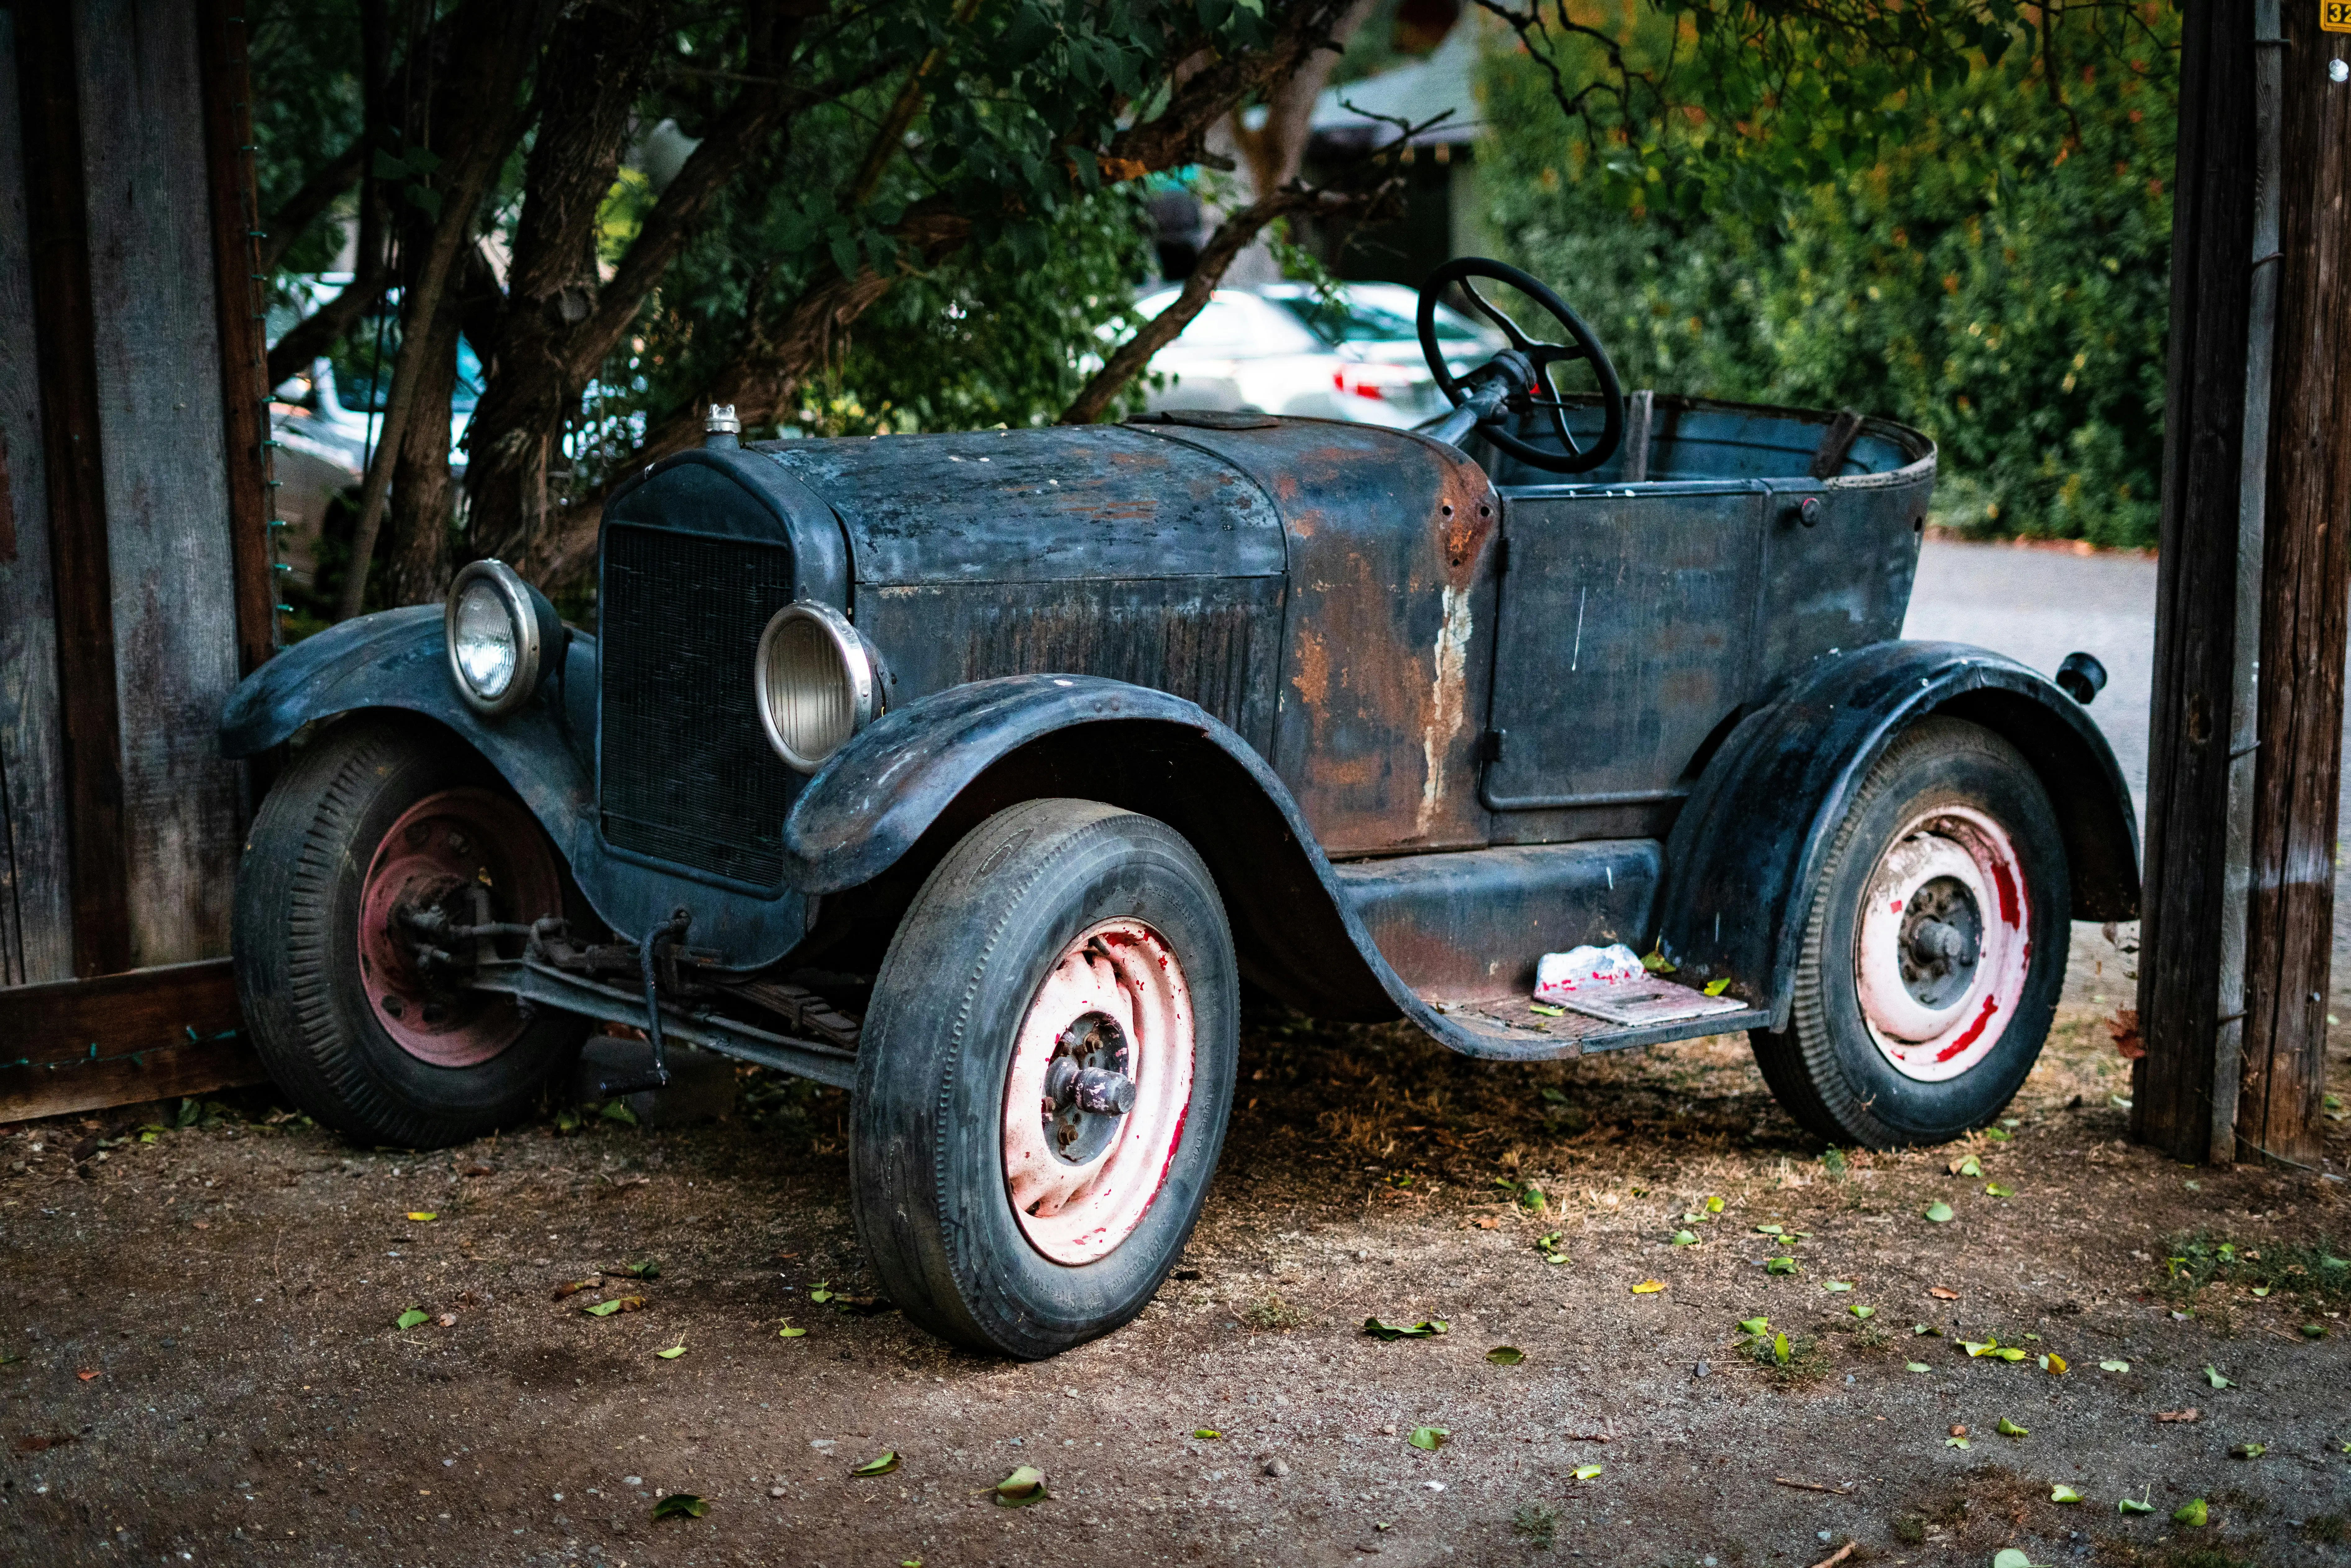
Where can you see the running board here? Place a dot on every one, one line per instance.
(543, 985)
(1511, 1022)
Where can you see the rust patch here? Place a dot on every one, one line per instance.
(1311, 660)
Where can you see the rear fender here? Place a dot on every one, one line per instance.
(396, 662)
(1748, 846)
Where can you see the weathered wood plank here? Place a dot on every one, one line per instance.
(222, 41)
(2306, 585)
(158, 353)
(56, 228)
(36, 891)
(81, 1045)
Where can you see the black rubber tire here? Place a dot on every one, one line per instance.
(295, 938)
(925, 1140)
(1825, 1069)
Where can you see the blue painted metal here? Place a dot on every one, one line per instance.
(1750, 843)
(395, 661)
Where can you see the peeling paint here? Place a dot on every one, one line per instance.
(1448, 703)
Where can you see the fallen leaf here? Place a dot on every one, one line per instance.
(2008, 1428)
(2191, 1513)
(1965, 1166)
(2010, 1557)
(1976, 1348)
(422, 1216)
(2114, 1367)
(2190, 1414)
(1959, 1428)
(881, 1465)
(1857, 1310)
(619, 1304)
(2314, 1331)
(820, 1292)
(86, 1376)
(571, 1288)
(2212, 1375)
(1585, 1473)
(1426, 1329)
(1021, 1488)
(2260, 1290)
(1780, 1351)
(1714, 1206)
(2248, 1450)
(1656, 963)
(2061, 1492)
(1916, 1366)
(1506, 1355)
(1955, 1442)
(2009, 1352)
(1782, 1265)
(1753, 1325)
(2132, 1505)
(1939, 1212)
(1998, 1135)
(447, 1320)
(618, 1111)
(2054, 1365)
(1995, 1191)
(1941, 1294)
(1546, 1010)
(680, 1504)
(1648, 1287)
(1429, 1437)
(1685, 1239)
(788, 1332)
(1206, 1432)
(1834, 1286)
(1715, 988)
(642, 1268)
(410, 1318)
(673, 1353)
(2124, 1028)
(1553, 1246)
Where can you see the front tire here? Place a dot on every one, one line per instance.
(1934, 949)
(375, 816)
(1066, 958)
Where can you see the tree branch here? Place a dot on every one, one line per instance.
(285, 225)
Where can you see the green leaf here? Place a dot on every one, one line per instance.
(1836, 1287)
(1979, 1347)
(788, 1332)
(618, 1111)
(422, 1216)
(2314, 1331)
(410, 1318)
(1506, 1355)
(1545, 1009)
(1585, 1473)
(820, 1292)
(1857, 1310)
(603, 1309)
(1021, 1488)
(2114, 1367)
(1714, 1206)
(1916, 1366)
(1955, 1442)
(2008, 1428)
(1997, 1134)
(680, 1505)
(1939, 1212)
(1426, 1329)
(1925, 1328)
(2061, 1492)
(1781, 1265)
(2010, 1557)
(1552, 1245)
(881, 1465)
(2009, 1352)
(2248, 1450)
(2191, 1513)
(1753, 1325)
(1206, 1432)
(1780, 1348)
(1715, 988)
(673, 1353)
(1429, 1437)
(2053, 1364)
(1685, 1239)
(2212, 1375)
(1656, 963)
(2132, 1505)
(1966, 1165)
(1996, 1190)
(644, 1269)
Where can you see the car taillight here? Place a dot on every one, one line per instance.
(1373, 380)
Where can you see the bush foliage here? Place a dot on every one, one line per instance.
(1990, 265)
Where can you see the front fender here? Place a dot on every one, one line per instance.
(1748, 846)
(545, 749)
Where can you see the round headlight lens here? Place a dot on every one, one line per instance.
(482, 641)
(814, 682)
(503, 636)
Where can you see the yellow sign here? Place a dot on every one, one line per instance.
(2335, 15)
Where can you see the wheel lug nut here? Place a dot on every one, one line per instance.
(1106, 1092)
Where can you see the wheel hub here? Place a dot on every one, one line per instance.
(1942, 932)
(1097, 1091)
(1943, 943)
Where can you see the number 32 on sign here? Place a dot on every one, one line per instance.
(2335, 15)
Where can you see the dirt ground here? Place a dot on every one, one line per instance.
(202, 1360)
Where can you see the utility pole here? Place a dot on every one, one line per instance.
(2245, 735)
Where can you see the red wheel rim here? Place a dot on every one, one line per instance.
(440, 848)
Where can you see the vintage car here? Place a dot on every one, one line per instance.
(977, 774)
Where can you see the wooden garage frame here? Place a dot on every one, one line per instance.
(135, 557)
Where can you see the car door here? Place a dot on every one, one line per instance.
(1625, 638)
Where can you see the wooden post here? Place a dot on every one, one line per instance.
(2306, 582)
(2191, 965)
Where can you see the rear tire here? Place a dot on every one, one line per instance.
(1059, 935)
(367, 814)
(1934, 948)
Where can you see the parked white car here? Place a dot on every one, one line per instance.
(1285, 349)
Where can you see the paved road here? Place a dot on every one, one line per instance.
(2039, 605)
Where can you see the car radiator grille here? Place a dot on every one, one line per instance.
(687, 773)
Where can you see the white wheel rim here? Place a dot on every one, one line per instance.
(1936, 1016)
(1077, 1210)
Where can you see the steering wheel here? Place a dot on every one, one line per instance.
(1569, 458)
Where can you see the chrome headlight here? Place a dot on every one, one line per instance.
(815, 682)
(502, 635)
